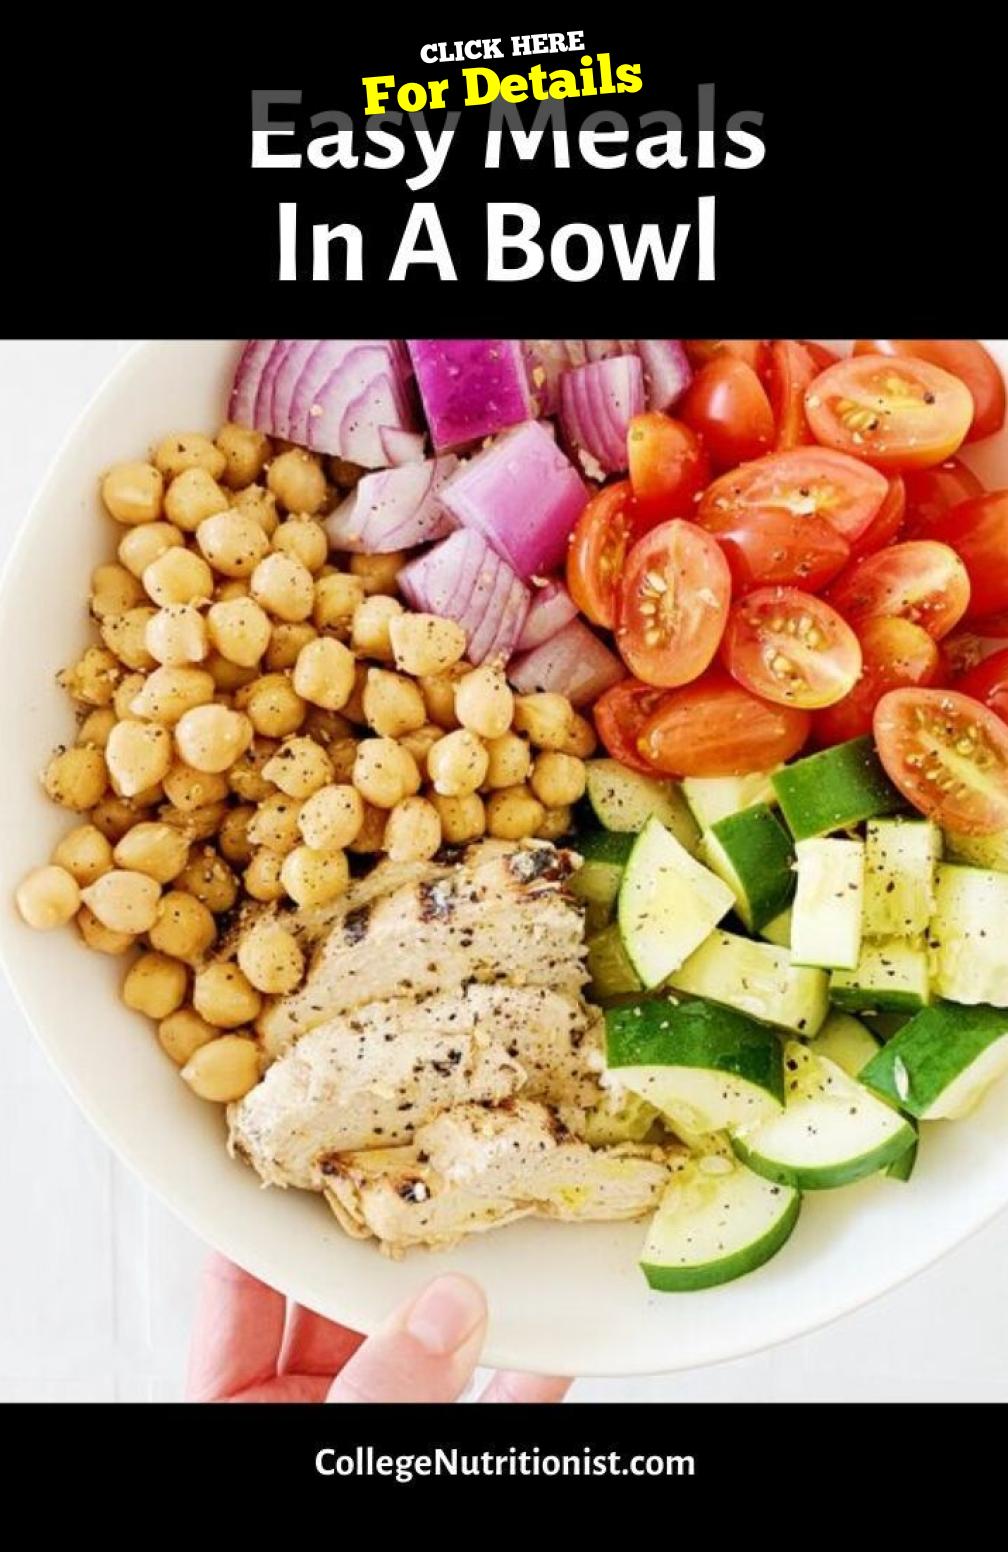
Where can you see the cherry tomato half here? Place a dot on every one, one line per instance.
(886, 523)
(919, 581)
(791, 648)
(821, 354)
(948, 755)
(714, 727)
(603, 535)
(931, 492)
(673, 603)
(668, 466)
(894, 653)
(770, 545)
(895, 412)
(965, 359)
(752, 352)
(620, 715)
(808, 481)
(790, 369)
(978, 530)
(726, 404)
(988, 682)
(966, 647)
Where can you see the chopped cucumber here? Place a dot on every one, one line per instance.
(624, 800)
(981, 851)
(846, 1041)
(833, 1129)
(704, 1067)
(892, 976)
(835, 789)
(826, 916)
(715, 797)
(778, 931)
(612, 974)
(885, 1025)
(903, 1167)
(668, 904)
(966, 936)
(758, 979)
(753, 853)
(941, 1063)
(900, 859)
(716, 1222)
(597, 880)
(618, 1117)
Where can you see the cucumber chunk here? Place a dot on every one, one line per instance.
(833, 1129)
(716, 1222)
(618, 1118)
(624, 800)
(892, 976)
(846, 1041)
(939, 1066)
(903, 1167)
(612, 974)
(835, 789)
(712, 798)
(705, 1068)
(980, 851)
(757, 979)
(966, 936)
(753, 853)
(900, 860)
(668, 903)
(826, 916)
(778, 931)
(597, 880)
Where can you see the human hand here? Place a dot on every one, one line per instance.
(247, 1345)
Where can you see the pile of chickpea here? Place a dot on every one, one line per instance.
(253, 713)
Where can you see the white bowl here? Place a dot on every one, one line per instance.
(563, 1299)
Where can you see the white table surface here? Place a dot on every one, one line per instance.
(98, 1279)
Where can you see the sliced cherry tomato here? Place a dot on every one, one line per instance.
(965, 359)
(716, 728)
(673, 603)
(726, 404)
(886, 523)
(978, 531)
(895, 412)
(931, 492)
(603, 535)
(790, 370)
(919, 581)
(752, 352)
(620, 715)
(668, 466)
(821, 354)
(808, 481)
(894, 653)
(965, 648)
(770, 545)
(988, 682)
(948, 755)
(791, 648)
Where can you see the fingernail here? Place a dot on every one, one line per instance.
(445, 1314)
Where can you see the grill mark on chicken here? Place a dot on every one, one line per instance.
(355, 924)
(437, 901)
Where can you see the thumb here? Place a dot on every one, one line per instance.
(427, 1350)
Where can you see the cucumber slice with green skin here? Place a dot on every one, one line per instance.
(827, 910)
(885, 1025)
(712, 1227)
(940, 1064)
(757, 979)
(668, 903)
(835, 790)
(892, 976)
(979, 851)
(612, 974)
(713, 798)
(845, 1040)
(705, 1068)
(597, 880)
(900, 860)
(832, 1132)
(624, 800)
(966, 935)
(618, 1118)
(753, 853)
(778, 931)
(903, 1167)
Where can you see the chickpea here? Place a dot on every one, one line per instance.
(126, 636)
(228, 677)
(179, 576)
(392, 704)
(510, 761)
(223, 996)
(155, 985)
(371, 835)
(207, 877)
(175, 636)
(139, 547)
(231, 587)
(425, 644)
(262, 876)
(513, 813)
(354, 708)
(287, 642)
(199, 824)
(484, 703)
(270, 957)
(48, 897)
(76, 778)
(384, 773)
(462, 819)
(93, 678)
(233, 838)
(127, 690)
(420, 743)
(224, 1069)
(239, 630)
(101, 938)
(84, 853)
(557, 779)
(233, 542)
(114, 816)
(138, 756)
(314, 877)
(188, 790)
(546, 717)
(457, 764)
(189, 450)
(113, 591)
(556, 822)
(378, 572)
(284, 587)
(245, 452)
(299, 767)
(133, 492)
(581, 740)
(332, 817)
(324, 673)
(147, 797)
(96, 727)
(438, 691)
(369, 632)
(261, 504)
(275, 824)
(343, 754)
(192, 497)
(168, 693)
(273, 706)
(182, 1033)
(413, 832)
(305, 539)
(158, 850)
(184, 928)
(337, 599)
(211, 738)
(297, 481)
(245, 777)
(124, 900)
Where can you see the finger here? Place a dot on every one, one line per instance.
(509, 1385)
(286, 1387)
(426, 1351)
(236, 1334)
(313, 1345)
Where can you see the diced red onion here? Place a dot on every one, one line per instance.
(462, 579)
(597, 402)
(470, 388)
(667, 372)
(393, 509)
(551, 609)
(251, 364)
(402, 446)
(573, 663)
(666, 369)
(523, 495)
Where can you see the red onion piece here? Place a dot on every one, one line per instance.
(551, 609)
(470, 388)
(666, 369)
(251, 364)
(393, 509)
(667, 372)
(462, 579)
(523, 495)
(597, 403)
(573, 663)
(402, 446)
